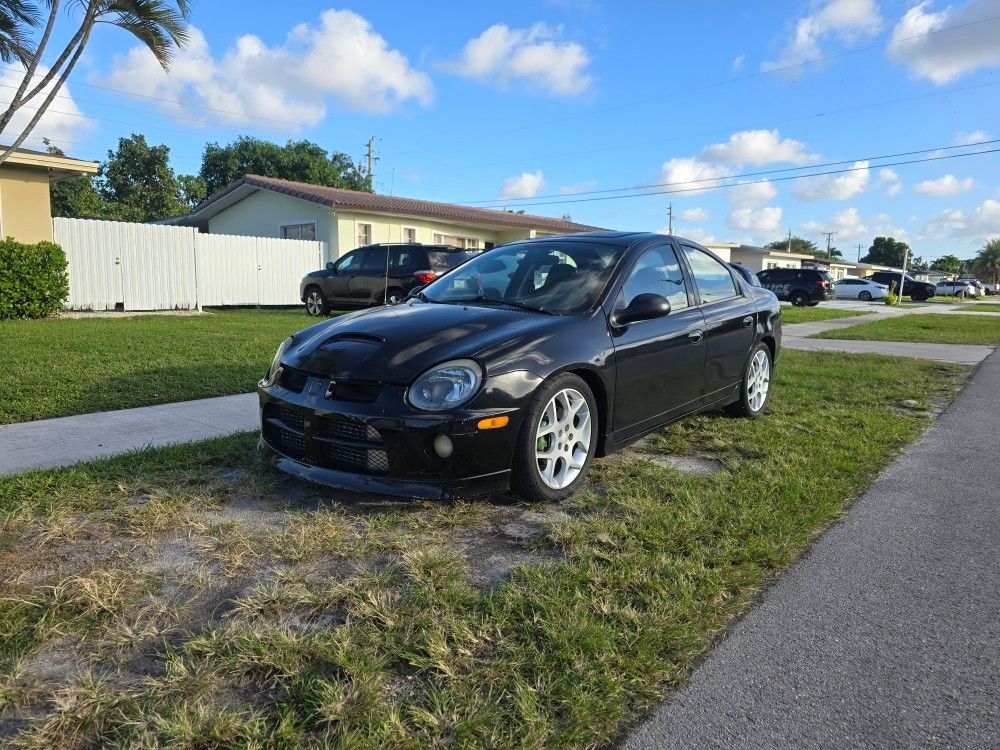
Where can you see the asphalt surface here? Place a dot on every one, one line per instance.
(887, 634)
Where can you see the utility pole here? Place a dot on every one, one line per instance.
(859, 252)
(670, 218)
(372, 159)
(829, 237)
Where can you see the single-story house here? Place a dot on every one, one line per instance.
(838, 269)
(25, 208)
(757, 259)
(346, 219)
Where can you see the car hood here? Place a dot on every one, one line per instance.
(395, 344)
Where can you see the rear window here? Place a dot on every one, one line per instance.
(826, 277)
(442, 260)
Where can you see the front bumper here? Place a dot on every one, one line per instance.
(380, 444)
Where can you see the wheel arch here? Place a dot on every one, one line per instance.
(599, 389)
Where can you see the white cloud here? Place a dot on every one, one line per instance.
(61, 123)
(341, 57)
(983, 222)
(524, 185)
(833, 187)
(698, 234)
(845, 20)
(941, 57)
(532, 57)
(757, 147)
(976, 136)
(947, 185)
(579, 187)
(691, 173)
(847, 224)
(738, 62)
(895, 189)
(752, 194)
(761, 220)
(890, 180)
(695, 214)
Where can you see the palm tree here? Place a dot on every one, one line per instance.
(159, 24)
(986, 264)
(17, 18)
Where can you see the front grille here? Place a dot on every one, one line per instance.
(294, 418)
(292, 379)
(347, 429)
(368, 460)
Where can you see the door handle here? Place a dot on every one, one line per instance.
(696, 336)
(748, 321)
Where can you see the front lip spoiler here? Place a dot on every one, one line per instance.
(469, 487)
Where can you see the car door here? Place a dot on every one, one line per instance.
(339, 282)
(729, 320)
(659, 362)
(777, 280)
(369, 285)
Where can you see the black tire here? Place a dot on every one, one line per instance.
(394, 296)
(317, 304)
(743, 406)
(799, 299)
(919, 296)
(865, 296)
(813, 304)
(525, 478)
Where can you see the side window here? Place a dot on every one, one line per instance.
(375, 260)
(404, 259)
(350, 263)
(658, 272)
(712, 278)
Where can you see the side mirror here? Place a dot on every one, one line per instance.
(644, 307)
(329, 265)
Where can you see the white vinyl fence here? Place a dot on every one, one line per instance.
(118, 265)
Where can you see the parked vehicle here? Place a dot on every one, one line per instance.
(359, 278)
(800, 286)
(851, 287)
(748, 276)
(515, 369)
(918, 291)
(981, 290)
(956, 288)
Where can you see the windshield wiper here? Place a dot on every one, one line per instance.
(508, 303)
(424, 298)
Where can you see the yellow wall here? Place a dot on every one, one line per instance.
(25, 210)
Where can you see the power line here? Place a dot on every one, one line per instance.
(776, 170)
(776, 179)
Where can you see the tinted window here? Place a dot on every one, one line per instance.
(657, 272)
(442, 260)
(407, 259)
(712, 277)
(350, 262)
(375, 260)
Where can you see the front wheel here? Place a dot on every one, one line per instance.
(799, 299)
(316, 303)
(755, 387)
(557, 440)
(865, 296)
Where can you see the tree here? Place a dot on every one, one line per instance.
(136, 182)
(886, 251)
(798, 245)
(301, 161)
(159, 24)
(986, 264)
(76, 198)
(948, 264)
(193, 189)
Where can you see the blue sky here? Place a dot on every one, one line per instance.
(518, 101)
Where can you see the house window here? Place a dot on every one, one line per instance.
(409, 234)
(298, 232)
(466, 243)
(364, 234)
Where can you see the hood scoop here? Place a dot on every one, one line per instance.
(355, 338)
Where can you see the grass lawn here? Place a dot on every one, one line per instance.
(925, 328)
(190, 597)
(981, 308)
(812, 314)
(57, 367)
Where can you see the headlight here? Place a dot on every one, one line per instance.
(272, 371)
(446, 386)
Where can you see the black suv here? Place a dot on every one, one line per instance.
(918, 291)
(360, 278)
(800, 286)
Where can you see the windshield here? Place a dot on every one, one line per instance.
(558, 276)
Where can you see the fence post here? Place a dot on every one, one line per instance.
(197, 278)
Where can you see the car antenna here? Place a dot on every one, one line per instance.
(388, 248)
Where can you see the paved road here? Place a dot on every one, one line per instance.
(887, 635)
(67, 440)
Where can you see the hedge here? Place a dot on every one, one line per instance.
(33, 279)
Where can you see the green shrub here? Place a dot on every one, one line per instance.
(891, 298)
(33, 279)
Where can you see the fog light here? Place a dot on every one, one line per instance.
(443, 446)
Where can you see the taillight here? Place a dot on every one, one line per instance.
(822, 283)
(425, 277)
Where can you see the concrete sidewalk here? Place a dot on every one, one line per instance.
(67, 440)
(887, 634)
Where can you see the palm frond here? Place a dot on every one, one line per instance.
(17, 20)
(159, 24)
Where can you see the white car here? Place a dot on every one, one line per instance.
(956, 288)
(851, 287)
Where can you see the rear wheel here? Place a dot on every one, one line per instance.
(799, 299)
(557, 440)
(865, 296)
(316, 302)
(919, 296)
(755, 388)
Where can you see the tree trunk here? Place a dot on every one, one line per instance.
(29, 73)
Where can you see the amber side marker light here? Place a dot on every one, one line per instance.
(493, 423)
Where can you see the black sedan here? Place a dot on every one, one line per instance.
(518, 367)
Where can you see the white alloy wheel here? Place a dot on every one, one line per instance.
(314, 303)
(562, 439)
(758, 380)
